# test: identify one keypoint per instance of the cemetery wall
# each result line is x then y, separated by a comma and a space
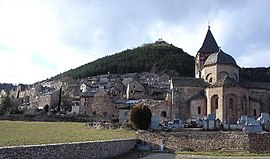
259, 142
207, 140
80, 150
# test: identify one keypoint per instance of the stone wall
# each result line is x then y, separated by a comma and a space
82, 150
103, 105
207, 140
259, 142
197, 140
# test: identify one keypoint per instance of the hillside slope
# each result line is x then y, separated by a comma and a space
159, 57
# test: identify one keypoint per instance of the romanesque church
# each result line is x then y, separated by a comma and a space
216, 88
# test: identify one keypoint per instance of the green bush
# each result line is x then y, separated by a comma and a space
140, 117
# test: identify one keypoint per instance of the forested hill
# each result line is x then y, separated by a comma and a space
261, 74
159, 57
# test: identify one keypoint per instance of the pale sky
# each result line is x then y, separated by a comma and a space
42, 38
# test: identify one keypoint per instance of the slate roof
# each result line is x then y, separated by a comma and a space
220, 57
226, 81
209, 44
188, 82
87, 94
200, 95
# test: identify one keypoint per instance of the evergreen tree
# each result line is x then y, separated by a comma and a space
140, 117
5, 105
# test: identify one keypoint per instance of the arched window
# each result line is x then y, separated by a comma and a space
230, 103
254, 112
208, 78
242, 104
216, 103
199, 110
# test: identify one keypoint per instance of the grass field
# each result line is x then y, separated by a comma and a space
13, 133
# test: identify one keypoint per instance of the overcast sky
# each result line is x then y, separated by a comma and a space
42, 38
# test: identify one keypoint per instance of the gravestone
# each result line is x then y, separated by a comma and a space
264, 119
210, 123
252, 126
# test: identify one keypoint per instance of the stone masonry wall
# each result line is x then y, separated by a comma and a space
82, 150
207, 140
196, 140
259, 142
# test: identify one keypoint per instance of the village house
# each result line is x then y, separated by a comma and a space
129, 77
135, 90
103, 106
148, 78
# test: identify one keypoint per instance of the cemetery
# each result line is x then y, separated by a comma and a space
211, 123
210, 134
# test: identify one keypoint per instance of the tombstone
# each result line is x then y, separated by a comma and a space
210, 123
252, 126
252, 121
211, 117
177, 124
264, 118
243, 119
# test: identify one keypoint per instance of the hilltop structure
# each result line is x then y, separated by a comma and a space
216, 88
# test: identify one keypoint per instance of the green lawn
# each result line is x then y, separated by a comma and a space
13, 133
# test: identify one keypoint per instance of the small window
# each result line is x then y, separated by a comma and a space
163, 114
216, 103
199, 110
230, 103
242, 104
254, 112
210, 80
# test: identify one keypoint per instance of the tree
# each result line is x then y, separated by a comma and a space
46, 108
140, 116
5, 105
59, 100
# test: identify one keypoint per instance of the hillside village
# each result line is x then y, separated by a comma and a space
98, 96
216, 89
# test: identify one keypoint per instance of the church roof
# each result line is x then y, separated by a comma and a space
226, 81
209, 44
188, 82
200, 95
220, 57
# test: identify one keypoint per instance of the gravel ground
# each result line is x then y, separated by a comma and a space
179, 156
156, 155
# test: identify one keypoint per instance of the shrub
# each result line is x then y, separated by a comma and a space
140, 117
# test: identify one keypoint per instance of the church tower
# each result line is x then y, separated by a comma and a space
209, 46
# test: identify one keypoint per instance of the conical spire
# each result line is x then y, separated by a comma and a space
209, 44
